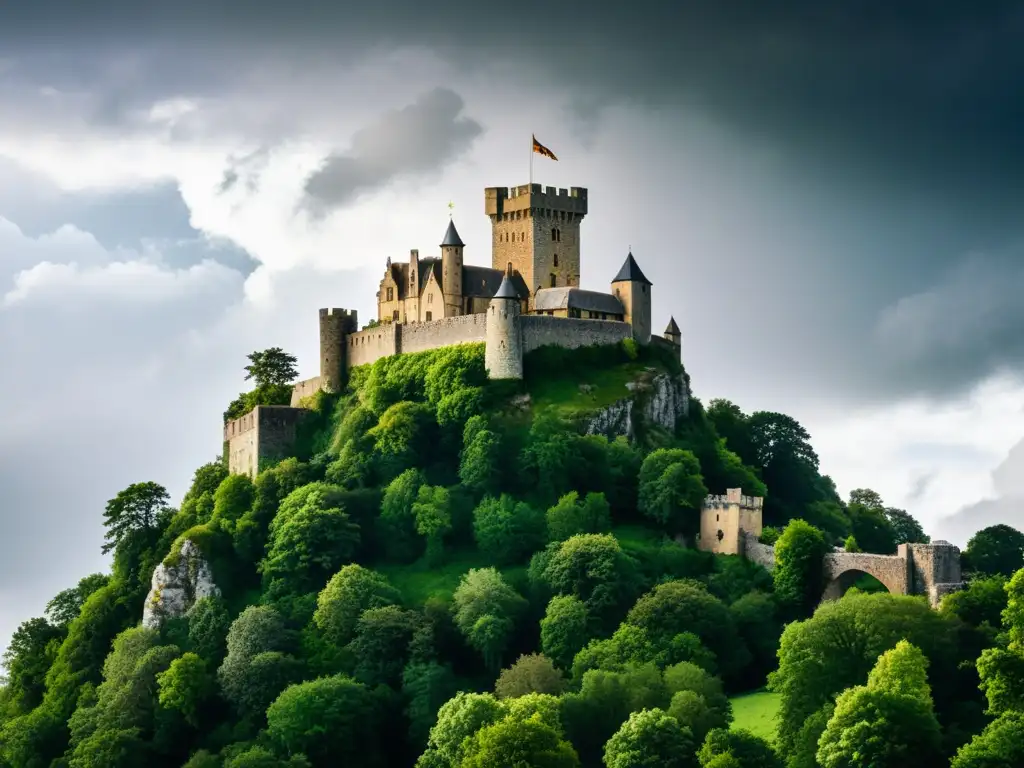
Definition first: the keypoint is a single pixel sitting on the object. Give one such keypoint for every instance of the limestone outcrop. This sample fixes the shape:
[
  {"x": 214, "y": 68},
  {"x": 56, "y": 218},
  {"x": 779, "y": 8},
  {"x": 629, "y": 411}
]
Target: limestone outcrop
[
  {"x": 175, "y": 588},
  {"x": 658, "y": 399}
]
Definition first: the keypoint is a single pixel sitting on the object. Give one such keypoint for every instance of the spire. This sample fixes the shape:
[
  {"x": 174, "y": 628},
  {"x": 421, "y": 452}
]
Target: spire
[
  {"x": 506, "y": 290},
  {"x": 630, "y": 272},
  {"x": 672, "y": 328},
  {"x": 451, "y": 236}
]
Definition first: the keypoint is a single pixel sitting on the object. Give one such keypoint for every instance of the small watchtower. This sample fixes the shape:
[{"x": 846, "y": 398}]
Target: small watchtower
[
  {"x": 724, "y": 520},
  {"x": 633, "y": 290},
  {"x": 451, "y": 270},
  {"x": 503, "y": 355},
  {"x": 335, "y": 326}
]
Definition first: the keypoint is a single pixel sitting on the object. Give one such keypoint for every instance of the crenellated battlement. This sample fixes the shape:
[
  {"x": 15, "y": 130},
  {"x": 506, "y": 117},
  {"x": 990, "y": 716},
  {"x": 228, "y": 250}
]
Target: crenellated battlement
[
  {"x": 722, "y": 501},
  {"x": 534, "y": 199}
]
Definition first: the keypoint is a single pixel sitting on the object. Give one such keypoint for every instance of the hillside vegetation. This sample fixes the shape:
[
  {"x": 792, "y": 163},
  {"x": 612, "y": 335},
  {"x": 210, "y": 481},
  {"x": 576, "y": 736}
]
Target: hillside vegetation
[{"x": 451, "y": 573}]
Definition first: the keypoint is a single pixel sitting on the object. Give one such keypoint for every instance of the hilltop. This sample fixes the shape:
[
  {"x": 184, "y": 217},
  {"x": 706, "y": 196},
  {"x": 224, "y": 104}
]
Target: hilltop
[{"x": 451, "y": 570}]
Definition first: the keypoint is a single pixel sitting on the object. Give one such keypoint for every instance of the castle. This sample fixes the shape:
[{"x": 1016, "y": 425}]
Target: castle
[{"x": 528, "y": 298}]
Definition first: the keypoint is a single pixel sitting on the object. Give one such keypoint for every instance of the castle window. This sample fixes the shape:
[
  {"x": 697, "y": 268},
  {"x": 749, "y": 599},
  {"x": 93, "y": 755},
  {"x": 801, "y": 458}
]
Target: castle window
[
  {"x": 430, "y": 316},
  {"x": 553, "y": 279},
  {"x": 430, "y": 298},
  {"x": 394, "y": 315},
  {"x": 556, "y": 259},
  {"x": 391, "y": 294}
]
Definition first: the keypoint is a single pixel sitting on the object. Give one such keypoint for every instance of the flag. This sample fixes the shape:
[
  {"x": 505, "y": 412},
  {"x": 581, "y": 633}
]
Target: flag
[{"x": 540, "y": 149}]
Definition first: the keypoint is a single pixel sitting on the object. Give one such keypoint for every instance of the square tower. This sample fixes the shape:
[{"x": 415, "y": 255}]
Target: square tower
[
  {"x": 537, "y": 232},
  {"x": 724, "y": 520}
]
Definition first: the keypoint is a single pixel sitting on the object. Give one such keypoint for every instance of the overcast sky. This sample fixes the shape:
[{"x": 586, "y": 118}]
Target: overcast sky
[{"x": 827, "y": 199}]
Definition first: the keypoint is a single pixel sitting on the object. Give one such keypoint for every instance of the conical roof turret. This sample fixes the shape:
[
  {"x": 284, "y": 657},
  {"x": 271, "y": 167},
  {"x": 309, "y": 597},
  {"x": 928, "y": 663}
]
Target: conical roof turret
[
  {"x": 672, "y": 328},
  {"x": 451, "y": 236},
  {"x": 630, "y": 272},
  {"x": 506, "y": 290}
]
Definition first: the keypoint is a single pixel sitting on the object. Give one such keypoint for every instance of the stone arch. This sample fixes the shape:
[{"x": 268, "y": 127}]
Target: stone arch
[{"x": 842, "y": 569}]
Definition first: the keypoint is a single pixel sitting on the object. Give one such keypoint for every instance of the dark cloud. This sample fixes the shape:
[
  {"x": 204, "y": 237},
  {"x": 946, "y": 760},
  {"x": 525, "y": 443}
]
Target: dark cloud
[{"x": 411, "y": 141}]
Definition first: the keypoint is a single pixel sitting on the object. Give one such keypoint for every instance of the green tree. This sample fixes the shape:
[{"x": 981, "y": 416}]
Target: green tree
[
  {"x": 757, "y": 622},
  {"x": 534, "y": 673},
  {"x": 508, "y": 531},
  {"x": 186, "y": 686},
  {"x": 308, "y": 544},
  {"x": 396, "y": 515},
  {"x": 458, "y": 719},
  {"x": 350, "y": 592},
  {"x": 1002, "y": 669},
  {"x": 888, "y": 722},
  {"x": 271, "y": 367},
  {"x": 686, "y": 606},
  {"x": 996, "y": 550},
  {"x": 563, "y": 630},
  {"x": 572, "y": 515},
  {"x": 850, "y": 545},
  {"x": 66, "y": 605},
  {"x": 135, "y": 509},
  {"x": 838, "y": 646},
  {"x": 593, "y": 568},
  {"x": 733, "y": 425},
  {"x": 208, "y": 624},
  {"x": 403, "y": 434},
  {"x": 27, "y": 659},
  {"x": 332, "y": 720},
  {"x": 650, "y": 739},
  {"x": 980, "y": 604},
  {"x": 519, "y": 742},
  {"x": 258, "y": 629},
  {"x": 432, "y": 512},
  {"x": 872, "y": 529},
  {"x": 480, "y": 464},
  {"x": 385, "y": 639},
  {"x": 233, "y": 498},
  {"x": 672, "y": 489},
  {"x": 906, "y": 529},
  {"x": 1000, "y": 745},
  {"x": 799, "y": 567},
  {"x": 738, "y": 745},
  {"x": 486, "y": 609}
]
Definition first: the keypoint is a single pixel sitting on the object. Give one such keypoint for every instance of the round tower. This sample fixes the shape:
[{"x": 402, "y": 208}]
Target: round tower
[
  {"x": 504, "y": 354},
  {"x": 335, "y": 326},
  {"x": 451, "y": 270}
]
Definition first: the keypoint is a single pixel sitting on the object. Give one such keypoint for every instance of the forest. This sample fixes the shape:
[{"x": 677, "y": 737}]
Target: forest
[{"x": 451, "y": 573}]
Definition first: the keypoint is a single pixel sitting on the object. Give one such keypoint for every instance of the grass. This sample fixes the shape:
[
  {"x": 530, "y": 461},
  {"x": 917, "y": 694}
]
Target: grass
[
  {"x": 419, "y": 582},
  {"x": 562, "y": 391},
  {"x": 755, "y": 712}
]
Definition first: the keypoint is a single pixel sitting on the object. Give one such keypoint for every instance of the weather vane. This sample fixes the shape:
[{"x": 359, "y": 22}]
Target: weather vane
[{"x": 451, "y": 209}]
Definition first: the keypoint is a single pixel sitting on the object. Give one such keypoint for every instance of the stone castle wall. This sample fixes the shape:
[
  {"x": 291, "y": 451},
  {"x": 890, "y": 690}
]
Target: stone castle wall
[
  {"x": 464, "y": 329},
  {"x": 364, "y": 347},
  {"x": 304, "y": 389},
  {"x": 266, "y": 433},
  {"x": 757, "y": 552},
  {"x": 570, "y": 333}
]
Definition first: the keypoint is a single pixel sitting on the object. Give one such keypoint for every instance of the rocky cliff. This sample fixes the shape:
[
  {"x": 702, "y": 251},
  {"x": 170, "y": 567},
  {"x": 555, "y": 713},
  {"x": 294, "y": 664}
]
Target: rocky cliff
[
  {"x": 175, "y": 588},
  {"x": 657, "y": 399}
]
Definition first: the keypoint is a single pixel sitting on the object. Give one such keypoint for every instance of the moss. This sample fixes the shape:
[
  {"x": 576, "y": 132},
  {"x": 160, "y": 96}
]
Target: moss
[{"x": 203, "y": 536}]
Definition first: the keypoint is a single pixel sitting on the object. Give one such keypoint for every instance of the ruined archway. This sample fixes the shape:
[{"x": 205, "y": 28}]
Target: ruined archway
[
  {"x": 854, "y": 577},
  {"x": 842, "y": 569}
]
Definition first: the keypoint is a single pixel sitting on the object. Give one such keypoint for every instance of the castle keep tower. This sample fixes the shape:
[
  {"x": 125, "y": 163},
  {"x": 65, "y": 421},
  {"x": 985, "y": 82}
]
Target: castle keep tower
[
  {"x": 538, "y": 232},
  {"x": 504, "y": 351},
  {"x": 451, "y": 271},
  {"x": 335, "y": 326},
  {"x": 633, "y": 289}
]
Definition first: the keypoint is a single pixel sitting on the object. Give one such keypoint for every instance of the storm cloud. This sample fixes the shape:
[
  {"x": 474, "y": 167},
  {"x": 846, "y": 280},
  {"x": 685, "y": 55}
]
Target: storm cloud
[{"x": 411, "y": 141}]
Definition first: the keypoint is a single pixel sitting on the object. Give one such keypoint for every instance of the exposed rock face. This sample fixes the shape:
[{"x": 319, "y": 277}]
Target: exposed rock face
[
  {"x": 175, "y": 588},
  {"x": 657, "y": 400}
]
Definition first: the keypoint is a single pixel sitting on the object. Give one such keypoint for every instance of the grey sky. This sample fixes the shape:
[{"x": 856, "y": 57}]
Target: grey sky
[{"x": 827, "y": 199}]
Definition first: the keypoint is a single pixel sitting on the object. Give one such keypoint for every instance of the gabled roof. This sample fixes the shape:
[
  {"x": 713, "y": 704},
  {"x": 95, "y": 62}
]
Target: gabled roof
[
  {"x": 451, "y": 236},
  {"x": 672, "y": 327},
  {"x": 630, "y": 272},
  {"x": 548, "y": 299}
]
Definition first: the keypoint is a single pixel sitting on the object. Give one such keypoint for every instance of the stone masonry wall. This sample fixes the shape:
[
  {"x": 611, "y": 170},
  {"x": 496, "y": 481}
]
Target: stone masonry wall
[
  {"x": 541, "y": 330},
  {"x": 304, "y": 389},
  {"x": 843, "y": 568},
  {"x": 370, "y": 345},
  {"x": 464, "y": 329},
  {"x": 757, "y": 552},
  {"x": 267, "y": 433}
]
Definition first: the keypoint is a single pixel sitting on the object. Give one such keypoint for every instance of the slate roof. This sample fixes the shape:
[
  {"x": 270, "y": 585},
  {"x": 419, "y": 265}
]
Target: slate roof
[
  {"x": 484, "y": 282},
  {"x": 672, "y": 327},
  {"x": 506, "y": 290},
  {"x": 451, "y": 235},
  {"x": 630, "y": 271},
  {"x": 548, "y": 299}
]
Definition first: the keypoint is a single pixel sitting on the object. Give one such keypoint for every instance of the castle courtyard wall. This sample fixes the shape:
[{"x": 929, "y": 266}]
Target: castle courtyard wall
[
  {"x": 304, "y": 389},
  {"x": 267, "y": 433},
  {"x": 446, "y": 332},
  {"x": 570, "y": 333},
  {"x": 370, "y": 345}
]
